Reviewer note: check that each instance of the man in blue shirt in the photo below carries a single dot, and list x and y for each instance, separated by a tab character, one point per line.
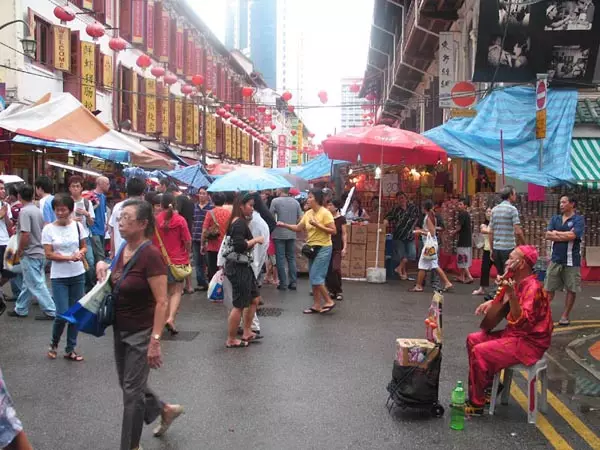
98	229
565	232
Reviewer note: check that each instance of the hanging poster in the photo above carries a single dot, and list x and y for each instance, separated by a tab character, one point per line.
244	147
150	106
88	75
519	38
150	27
165	112
107	72
267	155
62	48
281	150
138	21
198	59
134	101
178	119
210	75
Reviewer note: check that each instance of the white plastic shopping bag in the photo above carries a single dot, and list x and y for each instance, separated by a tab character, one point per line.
215	287
430	250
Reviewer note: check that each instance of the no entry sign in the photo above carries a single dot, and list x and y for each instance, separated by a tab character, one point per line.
464	94
541	92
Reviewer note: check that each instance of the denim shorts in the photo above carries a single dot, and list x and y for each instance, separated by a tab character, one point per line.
404	249
318	267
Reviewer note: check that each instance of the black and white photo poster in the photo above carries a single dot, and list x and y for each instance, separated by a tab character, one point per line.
518	39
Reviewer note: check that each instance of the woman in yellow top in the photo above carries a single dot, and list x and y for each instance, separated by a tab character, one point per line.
320	226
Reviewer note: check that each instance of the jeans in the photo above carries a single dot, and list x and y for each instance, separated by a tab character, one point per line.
90	275
34	285
285	250
66	292
200	263
16	285
140	404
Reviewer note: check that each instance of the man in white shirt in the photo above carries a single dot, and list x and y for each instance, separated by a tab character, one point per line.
5	225
135	190
85	215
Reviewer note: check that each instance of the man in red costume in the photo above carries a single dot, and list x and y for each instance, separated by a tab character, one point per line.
524	340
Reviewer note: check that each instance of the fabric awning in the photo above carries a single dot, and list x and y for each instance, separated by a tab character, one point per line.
195	176
585	162
319	167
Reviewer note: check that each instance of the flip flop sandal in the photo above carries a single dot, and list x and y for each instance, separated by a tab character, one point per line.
253	339
415	290
242	344
52	353
339	297
311	310
73	357
327	309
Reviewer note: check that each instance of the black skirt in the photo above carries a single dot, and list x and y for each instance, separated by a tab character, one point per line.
243	284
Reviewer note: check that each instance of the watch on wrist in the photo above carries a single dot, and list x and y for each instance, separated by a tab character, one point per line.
156	337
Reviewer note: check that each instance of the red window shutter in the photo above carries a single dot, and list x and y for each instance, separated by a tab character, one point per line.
125	19
71	81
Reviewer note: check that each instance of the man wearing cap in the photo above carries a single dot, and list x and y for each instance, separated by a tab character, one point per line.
526	336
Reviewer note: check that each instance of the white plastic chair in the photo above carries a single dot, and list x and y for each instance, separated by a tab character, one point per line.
539	369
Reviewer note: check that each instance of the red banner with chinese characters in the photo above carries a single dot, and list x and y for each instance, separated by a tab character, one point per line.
281	151
137	33
198	60
108	12
162	33
179	49
210	75
150	27
189	54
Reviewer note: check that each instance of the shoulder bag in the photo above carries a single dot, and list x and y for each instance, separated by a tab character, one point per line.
214	231
179	271
106	310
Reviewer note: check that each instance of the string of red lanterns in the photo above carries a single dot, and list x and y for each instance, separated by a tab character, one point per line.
64	14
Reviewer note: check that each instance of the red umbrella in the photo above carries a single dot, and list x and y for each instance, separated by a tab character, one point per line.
383	145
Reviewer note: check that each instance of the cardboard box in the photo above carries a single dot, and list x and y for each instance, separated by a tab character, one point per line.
358	271
345	263
359	234
372	228
372	239
348	232
413	352
357	252
592	256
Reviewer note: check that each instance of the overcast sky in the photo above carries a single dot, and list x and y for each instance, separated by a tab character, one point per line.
336	45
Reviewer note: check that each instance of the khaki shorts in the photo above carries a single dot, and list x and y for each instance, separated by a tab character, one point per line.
559	277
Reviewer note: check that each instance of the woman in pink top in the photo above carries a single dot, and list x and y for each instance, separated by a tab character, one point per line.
177	241
220	214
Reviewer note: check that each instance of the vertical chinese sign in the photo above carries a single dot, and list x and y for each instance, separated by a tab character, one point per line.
234	142
267	155
150	106
179	48
162	33
178	119
245	139
107	72
196	113
150	27
134	101
88	75
210	80
446	59
62	48
166	122
138	21
190	54
108	12
189	123
281	143
228	141
300	145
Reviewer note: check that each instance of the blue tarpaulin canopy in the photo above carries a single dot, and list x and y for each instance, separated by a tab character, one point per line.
513	111
195	176
317	168
104	153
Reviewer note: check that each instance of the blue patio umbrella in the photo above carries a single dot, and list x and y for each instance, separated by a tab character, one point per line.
246	179
194	176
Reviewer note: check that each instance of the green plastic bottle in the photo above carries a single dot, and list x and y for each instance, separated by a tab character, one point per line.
457	408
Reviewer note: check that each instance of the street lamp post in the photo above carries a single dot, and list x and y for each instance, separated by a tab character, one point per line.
29	43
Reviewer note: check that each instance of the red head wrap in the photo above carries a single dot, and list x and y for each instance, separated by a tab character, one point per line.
529	253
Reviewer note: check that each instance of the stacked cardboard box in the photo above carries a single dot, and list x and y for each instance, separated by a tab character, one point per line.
362	250
375	258
346	259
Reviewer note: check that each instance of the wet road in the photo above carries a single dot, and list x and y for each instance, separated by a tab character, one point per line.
314	382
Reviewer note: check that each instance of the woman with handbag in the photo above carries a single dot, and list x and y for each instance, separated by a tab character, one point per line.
486	262
429	255
64	242
214	229
139	281
174	240
238	255
320	226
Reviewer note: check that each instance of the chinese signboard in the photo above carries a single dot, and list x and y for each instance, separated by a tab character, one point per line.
165	112
88	75
245	151
540	106
190	53
62	48
107	72
150	27
267	155
134	101
163	41
179	49
178	119
190	139
196	125
446	60
281	150
294	153
150	105
138	21
300	140
228	141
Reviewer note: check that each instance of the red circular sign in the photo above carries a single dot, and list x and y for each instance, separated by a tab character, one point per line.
464	94
541	95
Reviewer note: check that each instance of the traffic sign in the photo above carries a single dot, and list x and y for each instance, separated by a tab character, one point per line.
541	92
463	94
461	112
540	124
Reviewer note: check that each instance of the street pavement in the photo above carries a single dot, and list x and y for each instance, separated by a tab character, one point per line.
314	382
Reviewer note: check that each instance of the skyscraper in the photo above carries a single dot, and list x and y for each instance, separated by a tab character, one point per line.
252	28
351	105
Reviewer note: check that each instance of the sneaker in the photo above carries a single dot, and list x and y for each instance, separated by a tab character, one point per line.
14	314
564	322
281	288
167	418
472	410
292	287
44	317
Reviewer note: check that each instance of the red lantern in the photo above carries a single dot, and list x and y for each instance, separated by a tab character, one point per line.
237	108
355	88
158	71
64	14
220	111
252	119
323	96
247	91
272	126
227	107
117	44
198	80
311	135
248	129
95	30
371	96
293	132
290	108
261	109
227	115
143	61
170	79
286	96
186	89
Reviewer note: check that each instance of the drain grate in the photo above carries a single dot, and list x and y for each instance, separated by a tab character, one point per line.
186	336
269	312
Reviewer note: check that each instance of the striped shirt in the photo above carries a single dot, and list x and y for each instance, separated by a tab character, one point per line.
504	218
199	216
